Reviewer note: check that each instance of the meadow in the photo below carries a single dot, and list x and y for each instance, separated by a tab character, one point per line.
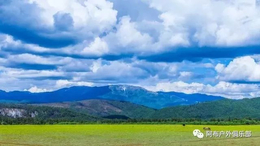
120	135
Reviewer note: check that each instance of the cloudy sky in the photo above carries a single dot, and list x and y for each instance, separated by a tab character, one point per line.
191	46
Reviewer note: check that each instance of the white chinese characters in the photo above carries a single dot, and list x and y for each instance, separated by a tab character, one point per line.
229	134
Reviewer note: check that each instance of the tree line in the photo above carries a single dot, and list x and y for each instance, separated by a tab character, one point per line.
78	120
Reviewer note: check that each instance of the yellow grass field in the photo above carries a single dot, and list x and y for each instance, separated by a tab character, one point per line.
120	135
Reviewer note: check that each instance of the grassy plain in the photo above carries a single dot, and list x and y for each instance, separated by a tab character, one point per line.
120	135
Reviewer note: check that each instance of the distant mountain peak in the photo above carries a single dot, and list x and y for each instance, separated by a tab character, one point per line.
128	93
128	88
2	91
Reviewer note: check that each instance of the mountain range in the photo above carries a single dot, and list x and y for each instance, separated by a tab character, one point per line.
105	108
221	109
124	102
132	94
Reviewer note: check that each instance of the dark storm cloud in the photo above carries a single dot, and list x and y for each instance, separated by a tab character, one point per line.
34	37
27	66
196	54
20	19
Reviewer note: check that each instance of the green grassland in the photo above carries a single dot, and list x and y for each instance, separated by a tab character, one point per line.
119	135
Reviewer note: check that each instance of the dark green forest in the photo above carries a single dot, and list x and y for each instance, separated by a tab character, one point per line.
222	112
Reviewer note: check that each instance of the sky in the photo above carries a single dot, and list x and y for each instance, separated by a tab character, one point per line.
192	46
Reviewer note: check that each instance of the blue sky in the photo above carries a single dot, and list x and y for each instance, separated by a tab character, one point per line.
192	46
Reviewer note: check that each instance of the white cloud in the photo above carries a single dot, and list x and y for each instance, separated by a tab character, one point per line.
97	47
11	44
114	72
99	31
128	37
34	59
240	69
88	16
66	83
185	74
35	89
211	22
225	89
200	22
178	87
96	65
20	73
7	40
